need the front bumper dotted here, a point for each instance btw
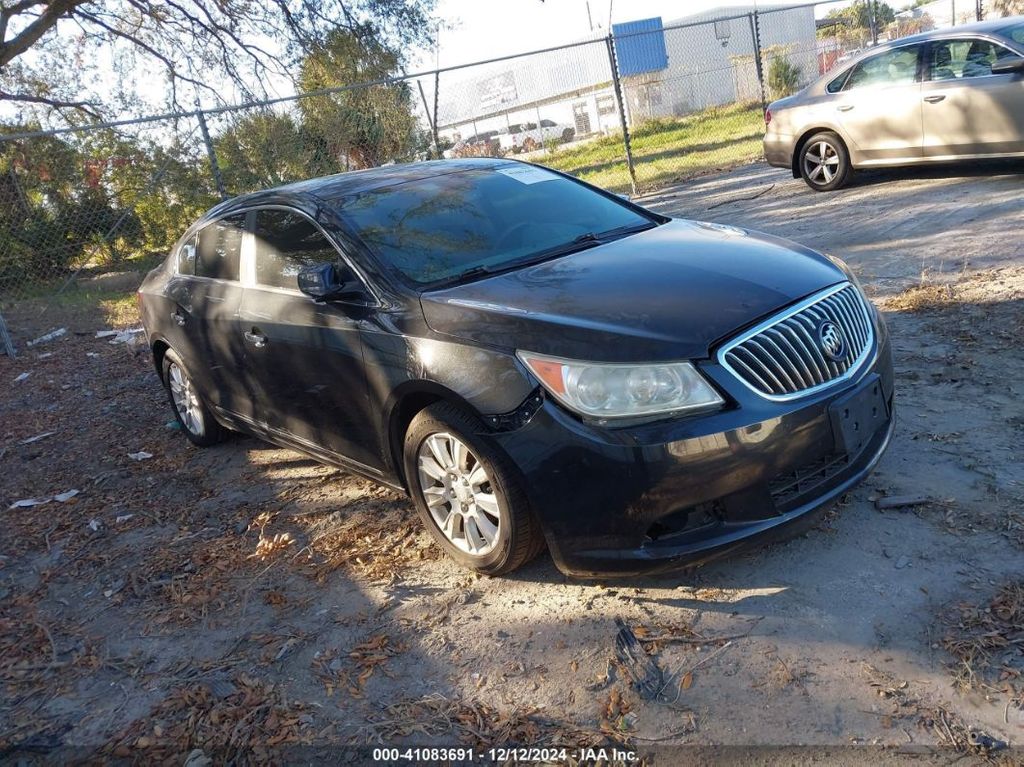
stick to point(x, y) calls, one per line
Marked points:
point(637, 500)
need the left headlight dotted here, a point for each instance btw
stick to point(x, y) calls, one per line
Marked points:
point(606, 390)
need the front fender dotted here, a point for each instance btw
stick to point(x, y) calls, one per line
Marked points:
point(408, 369)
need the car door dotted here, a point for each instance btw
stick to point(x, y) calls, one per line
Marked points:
point(303, 358)
point(205, 298)
point(879, 107)
point(968, 110)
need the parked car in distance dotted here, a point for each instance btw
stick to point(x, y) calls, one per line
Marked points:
point(479, 145)
point(948, 94)
point(534, 360)
point(527, 137)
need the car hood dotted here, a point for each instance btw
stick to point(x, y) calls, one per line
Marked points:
point(668, 293)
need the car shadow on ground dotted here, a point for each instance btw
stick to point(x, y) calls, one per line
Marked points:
point(965, 169)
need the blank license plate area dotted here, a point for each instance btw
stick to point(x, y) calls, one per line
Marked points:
point(857, 416)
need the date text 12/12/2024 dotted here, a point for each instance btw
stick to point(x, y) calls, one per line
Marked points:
point(502, 754)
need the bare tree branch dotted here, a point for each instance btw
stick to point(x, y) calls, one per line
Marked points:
point(87, 107)
point(10, 11)
point(204, 44)
point(134, 40)
point(17, 45)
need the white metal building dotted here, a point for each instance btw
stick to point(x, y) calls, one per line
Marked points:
point(705, 60)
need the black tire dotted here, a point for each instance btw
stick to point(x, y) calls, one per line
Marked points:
point(519, 538)
point(202, 429)
point(836, 169)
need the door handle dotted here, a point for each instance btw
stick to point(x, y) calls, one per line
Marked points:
point(844, 107)
point(934, 99)
point(178, 317)
point(256, 338)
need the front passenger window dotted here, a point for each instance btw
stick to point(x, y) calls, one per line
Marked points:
point(893, 67)
point(285, 243)
point(220, 246)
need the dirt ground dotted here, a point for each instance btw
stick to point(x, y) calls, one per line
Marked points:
point(243, 599)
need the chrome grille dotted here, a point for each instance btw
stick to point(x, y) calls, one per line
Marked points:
point(786, 357)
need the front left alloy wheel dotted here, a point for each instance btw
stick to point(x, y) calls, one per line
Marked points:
point(467, 494)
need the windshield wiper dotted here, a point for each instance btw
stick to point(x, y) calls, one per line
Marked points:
point(612, 234)
point(622, 231)
point(473, 273)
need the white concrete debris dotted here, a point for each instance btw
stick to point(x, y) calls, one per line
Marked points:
point(48, 337)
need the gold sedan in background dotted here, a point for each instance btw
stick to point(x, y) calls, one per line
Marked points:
point(948, 94)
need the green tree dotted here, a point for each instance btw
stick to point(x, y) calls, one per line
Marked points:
point(783, 77)
point(51, 215)
point(857, 17)
point(264, 149)
point(167, 186)
point(363, 126)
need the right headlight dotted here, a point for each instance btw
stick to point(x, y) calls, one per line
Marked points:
point(607, 390)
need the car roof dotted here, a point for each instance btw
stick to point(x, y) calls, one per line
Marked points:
point(340, 185)
point(988, 26)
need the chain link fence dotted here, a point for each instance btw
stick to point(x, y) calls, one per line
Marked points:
point(649, 105)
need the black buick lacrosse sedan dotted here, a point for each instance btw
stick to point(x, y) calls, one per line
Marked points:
point(534, 360)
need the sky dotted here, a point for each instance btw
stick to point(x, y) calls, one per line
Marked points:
point(477, 30)
point(474, 30)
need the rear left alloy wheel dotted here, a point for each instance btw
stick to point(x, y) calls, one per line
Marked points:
point(824, 162)
point(192, 413)
point(467, 494)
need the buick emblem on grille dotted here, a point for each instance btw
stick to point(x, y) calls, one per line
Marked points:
point(832, 340)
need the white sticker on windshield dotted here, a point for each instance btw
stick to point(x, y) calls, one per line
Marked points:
point(527, 174)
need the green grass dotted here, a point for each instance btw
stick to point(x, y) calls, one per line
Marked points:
point(76, 308)
point(667, 150)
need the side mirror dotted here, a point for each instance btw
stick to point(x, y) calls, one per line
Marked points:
point(1010, 66)
point(321, 282)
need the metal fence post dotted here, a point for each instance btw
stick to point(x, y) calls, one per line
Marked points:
point(431, 120)
point(212, 154)
point(437, 116)
point(979, 12)
point(6, 345)
point(621, 103)
point(755, 34)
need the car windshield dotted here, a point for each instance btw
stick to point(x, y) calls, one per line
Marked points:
point(437, 229)
point(1014, 32)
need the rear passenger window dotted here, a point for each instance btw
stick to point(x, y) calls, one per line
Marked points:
point(187, 256)
point(220, 245)
point(286, 242)
point(837, 85)
point(963, 59)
